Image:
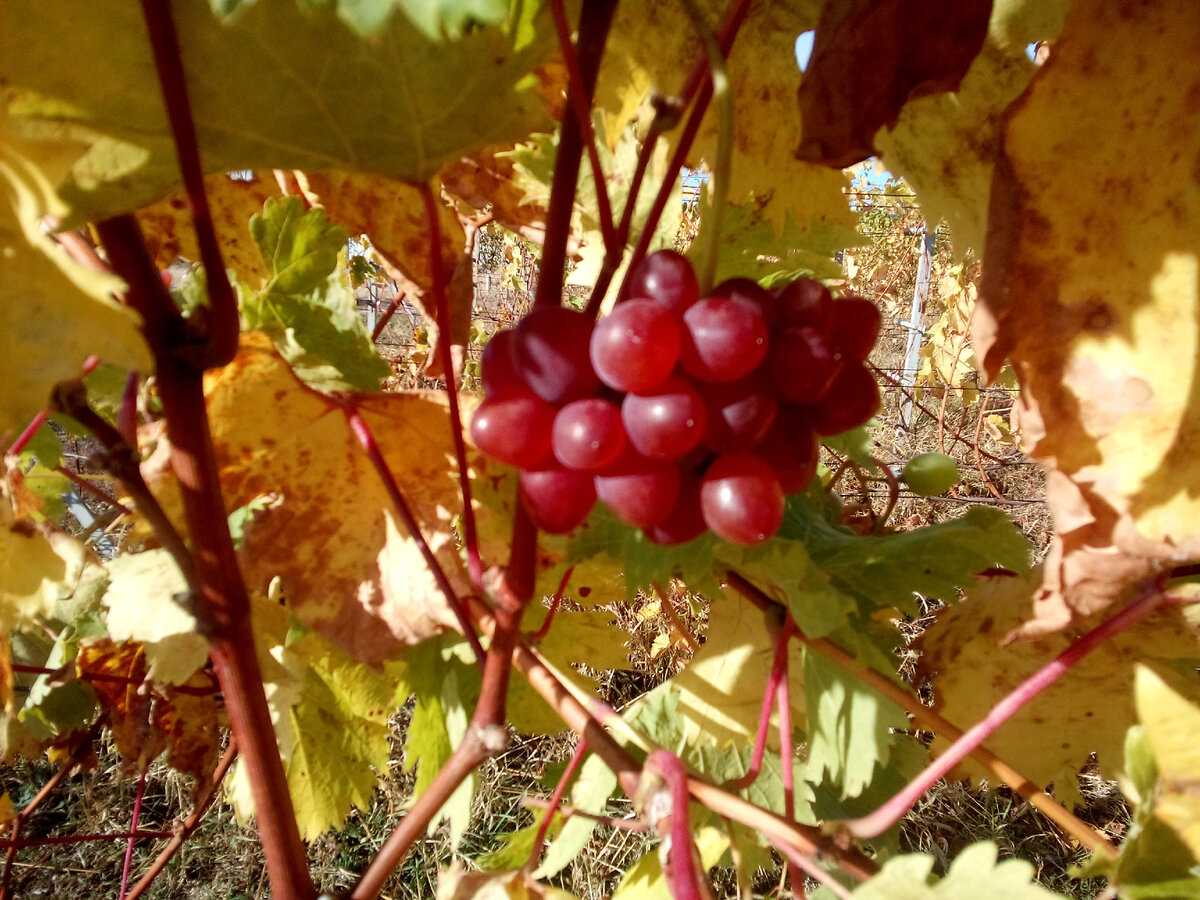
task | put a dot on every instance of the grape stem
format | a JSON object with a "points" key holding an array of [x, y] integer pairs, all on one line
{"points": [[133, 831], [887, 815], [554, 803], [774, 680], [683, 879]]}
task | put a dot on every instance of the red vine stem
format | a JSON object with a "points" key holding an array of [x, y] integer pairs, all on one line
{"points": [[366, 438], [682, 877], [189, 825], [23, 439], [552, 805], [541, 633], [442, 312], [131, 836], [223, 322], [567, 811], [580, 102], [775, 679], [929, 720], [87, 487], [887, 815], [787, 755], [133, 830], [219, 598], [387, 314]]}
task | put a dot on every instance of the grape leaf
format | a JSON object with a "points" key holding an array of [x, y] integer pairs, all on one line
{"points": [[1170, 722], [437, 20], [516, 846], [645, 879], [1096, 302], [169, 232], [36, 489], [974, 873], [144, 600], [849, 726], [1087, 710], [914, 51], [336, 741], [39, 283], [890, 571], [945, 145], [57, 706], [39, 565], [403, 119], [457, 884], [348, 569]]}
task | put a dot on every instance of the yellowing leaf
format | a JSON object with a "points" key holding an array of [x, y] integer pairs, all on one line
{"points": [[8, 812], [1172, 723], [1092, 286], [40, 284], [169, 232], [457, 884], [974, 873], [1087, 710], [144, 601], [39, 566], [347, 569]]}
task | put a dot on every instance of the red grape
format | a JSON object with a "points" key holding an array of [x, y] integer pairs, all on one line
{"points": [[498, 372], [635, 346], [807, 303], [725, 338], [740, 413], [750, 290], [514, 428], [588, 434], [792, 449], [665, 277], [666, 422], [855, 328], [557, 499], [852, 399], [802, 365], [639, 491], [741, 499], [550, 353], [685, 522]]}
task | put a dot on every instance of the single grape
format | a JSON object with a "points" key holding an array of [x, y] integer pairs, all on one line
{"points": [[685, 521], [802, 365], [855, 328], [851, 400], [550, 354], [639, 491], [665, 277], [792, 449], [665, 422], [557, 499], [740, 413], [514, 428], [588, 434], [806, 303], [751, 291], [930, 474], [741, 499], [498, 371], [635, 346], [725, 338]]}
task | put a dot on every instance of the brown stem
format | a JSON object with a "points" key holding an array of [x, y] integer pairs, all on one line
{"points": [[594, 22], [893, 495], [223, 322], [387, 315], [189, 825], [442, 312], [983, 405]]}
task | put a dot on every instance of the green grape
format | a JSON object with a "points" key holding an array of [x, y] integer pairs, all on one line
{"points": [[929, 474]]}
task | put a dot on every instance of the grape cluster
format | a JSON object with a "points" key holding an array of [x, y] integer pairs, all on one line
{"points": [[680, 413]]}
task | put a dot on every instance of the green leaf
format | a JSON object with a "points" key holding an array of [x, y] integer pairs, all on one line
{"points": [[306, 305], [891, 570], [36, 465], [974, 873], [515, 847], [337, 737], [52, 708], [856, 443], [145, 598], [436, 20], [274, 85], [850, 725], [593, 786]]}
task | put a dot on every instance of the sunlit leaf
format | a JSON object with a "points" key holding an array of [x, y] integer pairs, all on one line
{"points": [[974, 873]]}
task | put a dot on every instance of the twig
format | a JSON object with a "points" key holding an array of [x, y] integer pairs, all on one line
{"points": [[893, 495], [580, 101], [883, 818], [929, 720], [978, 460], [366, 439], [185, 829], [56, 840], [223, 322], [87, 487], [133, 830], [388, 313], [567, 811], [553, 804], [668, 607], [540, 635]]}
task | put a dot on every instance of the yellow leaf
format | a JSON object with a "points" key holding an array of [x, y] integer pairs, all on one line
{"points": [[8, 812], [1092, 286], [1172, 723], [1087, 710], [39, 565]]}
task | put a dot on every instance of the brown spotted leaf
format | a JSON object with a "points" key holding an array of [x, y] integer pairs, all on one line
{"points": [[1091, 286], [870, 58]]}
